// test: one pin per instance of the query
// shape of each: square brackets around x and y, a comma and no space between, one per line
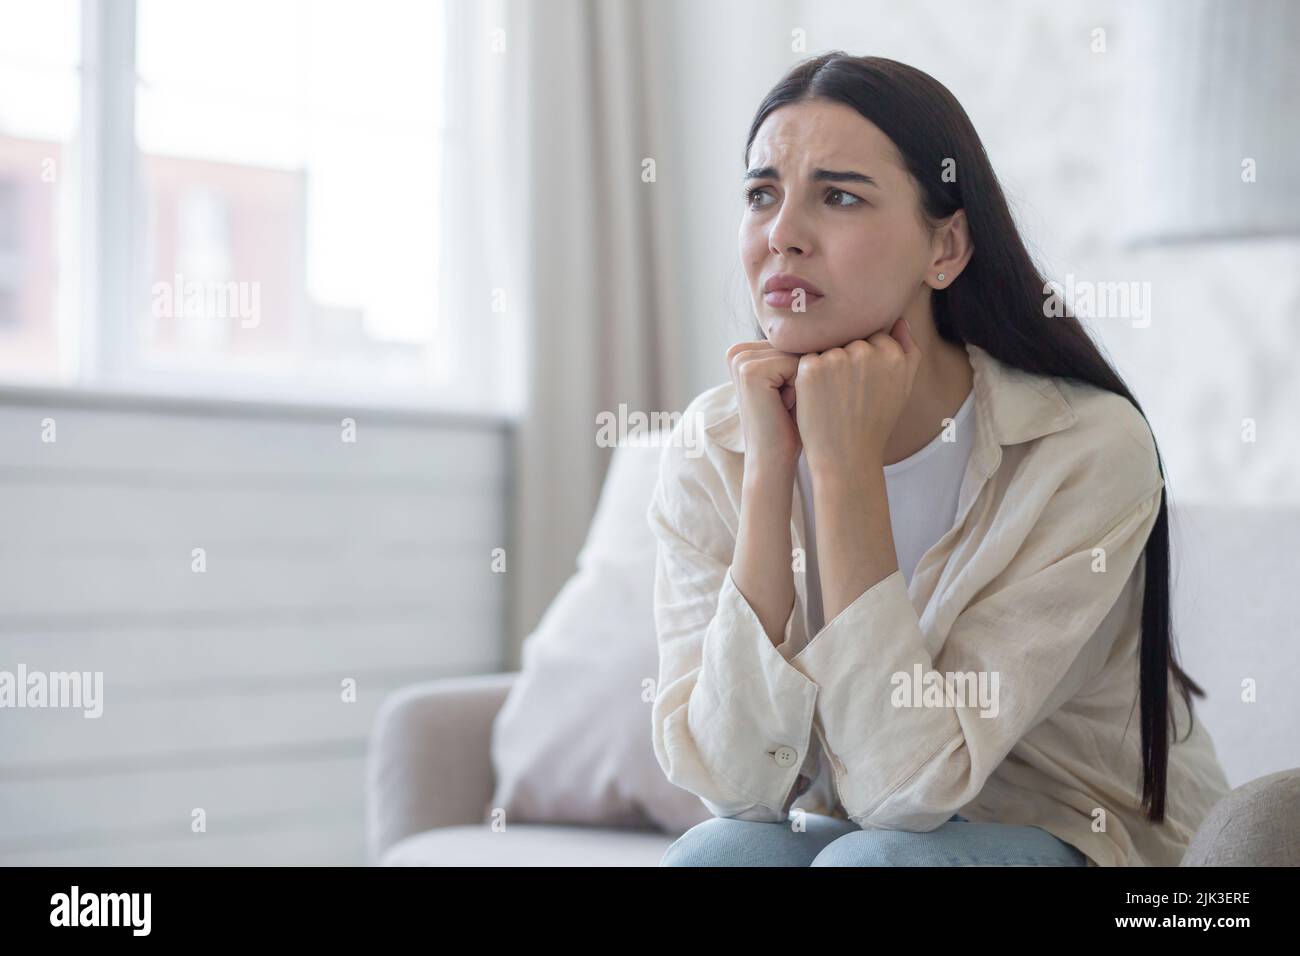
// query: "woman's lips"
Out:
[784,298]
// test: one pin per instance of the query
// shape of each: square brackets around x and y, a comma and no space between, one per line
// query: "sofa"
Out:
[430,775]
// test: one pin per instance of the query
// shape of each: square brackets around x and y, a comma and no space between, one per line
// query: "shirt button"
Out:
[785,756]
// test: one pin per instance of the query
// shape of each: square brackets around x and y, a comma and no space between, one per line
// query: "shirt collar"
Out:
[1011,405]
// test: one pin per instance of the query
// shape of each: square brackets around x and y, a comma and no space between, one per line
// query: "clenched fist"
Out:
[764,380]
[850,399]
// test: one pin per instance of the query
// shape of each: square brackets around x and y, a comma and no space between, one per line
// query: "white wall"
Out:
[326,560]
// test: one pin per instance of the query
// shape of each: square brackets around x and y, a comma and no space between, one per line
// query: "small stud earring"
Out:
[940,276]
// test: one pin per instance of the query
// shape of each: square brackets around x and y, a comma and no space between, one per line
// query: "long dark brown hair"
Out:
[1001,303]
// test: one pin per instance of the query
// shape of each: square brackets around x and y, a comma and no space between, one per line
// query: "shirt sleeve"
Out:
[910,762]
[732,718]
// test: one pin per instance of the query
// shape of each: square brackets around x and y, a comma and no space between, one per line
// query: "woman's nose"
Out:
[788,235]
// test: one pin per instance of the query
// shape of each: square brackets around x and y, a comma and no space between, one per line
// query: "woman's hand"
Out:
[850,398]
[761,566]
[764,379]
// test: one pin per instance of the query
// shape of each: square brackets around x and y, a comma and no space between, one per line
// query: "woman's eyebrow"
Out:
[818,175]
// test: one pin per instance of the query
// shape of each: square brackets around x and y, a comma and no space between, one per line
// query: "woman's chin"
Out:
[794,336]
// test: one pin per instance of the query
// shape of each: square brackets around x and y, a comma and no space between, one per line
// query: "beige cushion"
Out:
[523,844]
[1258,824]
[572,743]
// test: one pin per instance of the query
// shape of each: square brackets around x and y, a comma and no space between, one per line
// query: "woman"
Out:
[916,582]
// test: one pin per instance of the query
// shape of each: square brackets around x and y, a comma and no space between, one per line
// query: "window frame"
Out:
[102,365]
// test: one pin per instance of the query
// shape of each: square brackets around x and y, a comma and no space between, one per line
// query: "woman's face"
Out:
[830,204]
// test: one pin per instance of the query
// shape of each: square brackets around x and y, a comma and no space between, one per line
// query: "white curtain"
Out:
[561,106]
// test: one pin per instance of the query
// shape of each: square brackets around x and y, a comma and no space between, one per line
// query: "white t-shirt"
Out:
[923,490]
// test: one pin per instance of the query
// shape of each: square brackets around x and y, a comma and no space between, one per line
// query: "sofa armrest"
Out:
[429,761]
[1257,824]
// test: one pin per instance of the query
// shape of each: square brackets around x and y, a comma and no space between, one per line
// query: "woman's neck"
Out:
[943,381]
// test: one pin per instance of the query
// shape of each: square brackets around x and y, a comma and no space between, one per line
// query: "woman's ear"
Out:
[952,250]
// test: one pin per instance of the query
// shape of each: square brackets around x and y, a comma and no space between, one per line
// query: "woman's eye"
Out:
[835,196]
[841,192]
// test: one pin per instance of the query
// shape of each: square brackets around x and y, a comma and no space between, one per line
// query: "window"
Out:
[259,209]
[39,113]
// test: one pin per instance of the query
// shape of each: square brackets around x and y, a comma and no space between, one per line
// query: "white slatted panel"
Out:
[325,560]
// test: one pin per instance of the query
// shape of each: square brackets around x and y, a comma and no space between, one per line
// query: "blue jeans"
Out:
[829,841]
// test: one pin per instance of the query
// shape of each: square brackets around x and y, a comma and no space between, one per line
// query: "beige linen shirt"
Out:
[1036,591]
